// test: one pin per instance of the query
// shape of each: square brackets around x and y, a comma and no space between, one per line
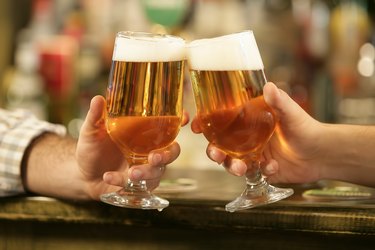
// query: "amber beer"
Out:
[229,97]
[144,97]
[143,117]
[241,122]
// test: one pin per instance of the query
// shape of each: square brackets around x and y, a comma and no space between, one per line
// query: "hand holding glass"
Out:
[144,105]
[227,75]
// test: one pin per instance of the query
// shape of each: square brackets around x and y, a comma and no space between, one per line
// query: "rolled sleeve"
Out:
[17,130]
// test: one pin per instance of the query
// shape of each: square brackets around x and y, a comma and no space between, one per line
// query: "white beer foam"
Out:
[237,51]
[158,49]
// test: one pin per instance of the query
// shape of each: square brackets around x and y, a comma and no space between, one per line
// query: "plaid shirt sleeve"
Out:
[17,129]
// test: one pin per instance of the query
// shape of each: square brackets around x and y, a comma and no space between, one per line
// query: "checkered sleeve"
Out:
[17,130]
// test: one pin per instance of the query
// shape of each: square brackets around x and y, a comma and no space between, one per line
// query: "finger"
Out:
[93,127]
[146,172]
[274,178]
[216,154]
[114,178]
[271,94]
[152,184]
[185,118]
[164,156]
[269,167]
[95,115]
[195,127]
[235,166]
[136,173]
[282,103]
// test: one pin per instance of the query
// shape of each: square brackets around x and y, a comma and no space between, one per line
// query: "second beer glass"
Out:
[144,105]
[227,78]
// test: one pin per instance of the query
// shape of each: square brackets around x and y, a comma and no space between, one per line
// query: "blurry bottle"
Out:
[350,28]
[311,87]
[25,87]
[166,16]
[58,56]
[322,94]
[42,23]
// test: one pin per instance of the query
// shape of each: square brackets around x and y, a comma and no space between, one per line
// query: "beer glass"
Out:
[144,105]
[227,76]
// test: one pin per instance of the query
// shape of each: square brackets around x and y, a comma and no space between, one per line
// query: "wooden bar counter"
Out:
[195,219]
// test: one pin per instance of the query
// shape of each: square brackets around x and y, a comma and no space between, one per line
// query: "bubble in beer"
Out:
[154,48]
[237,51]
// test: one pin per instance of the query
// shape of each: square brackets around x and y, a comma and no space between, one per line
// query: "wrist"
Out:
[340,151]
[324,143]
[49,168]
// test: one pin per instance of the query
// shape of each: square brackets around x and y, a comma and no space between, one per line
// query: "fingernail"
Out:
[157,158]
[107,177]
[269,169]
[136,174]
[214,156]
[237,169]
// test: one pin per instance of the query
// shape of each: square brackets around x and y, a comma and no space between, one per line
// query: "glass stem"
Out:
[136,186]
[254,176]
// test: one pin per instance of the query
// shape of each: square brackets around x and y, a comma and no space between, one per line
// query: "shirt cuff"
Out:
[20,130]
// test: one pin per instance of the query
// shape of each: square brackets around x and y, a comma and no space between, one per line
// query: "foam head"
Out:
[237,51]
[146,47]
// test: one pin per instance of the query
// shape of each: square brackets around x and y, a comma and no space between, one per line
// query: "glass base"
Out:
[139,200]
[258,195]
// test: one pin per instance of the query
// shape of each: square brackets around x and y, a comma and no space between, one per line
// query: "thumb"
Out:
[287,110]
[95,116]
[93,128]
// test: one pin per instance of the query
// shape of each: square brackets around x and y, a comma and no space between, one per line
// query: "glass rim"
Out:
[148,36]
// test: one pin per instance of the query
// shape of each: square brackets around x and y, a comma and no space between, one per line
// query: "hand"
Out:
[292,154]
[102,164]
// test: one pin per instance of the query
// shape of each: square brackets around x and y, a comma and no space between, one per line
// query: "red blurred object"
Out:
[57,60]
[57,68]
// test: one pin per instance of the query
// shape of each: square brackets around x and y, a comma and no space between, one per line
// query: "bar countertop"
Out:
[195,219]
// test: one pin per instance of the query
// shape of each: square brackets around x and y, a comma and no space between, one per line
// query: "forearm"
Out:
[49,168]
[349,154]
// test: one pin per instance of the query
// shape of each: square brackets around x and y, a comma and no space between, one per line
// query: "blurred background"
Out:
[55,54]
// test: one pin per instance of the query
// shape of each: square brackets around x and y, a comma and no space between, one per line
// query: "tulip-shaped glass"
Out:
[144,105]
[227,75]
